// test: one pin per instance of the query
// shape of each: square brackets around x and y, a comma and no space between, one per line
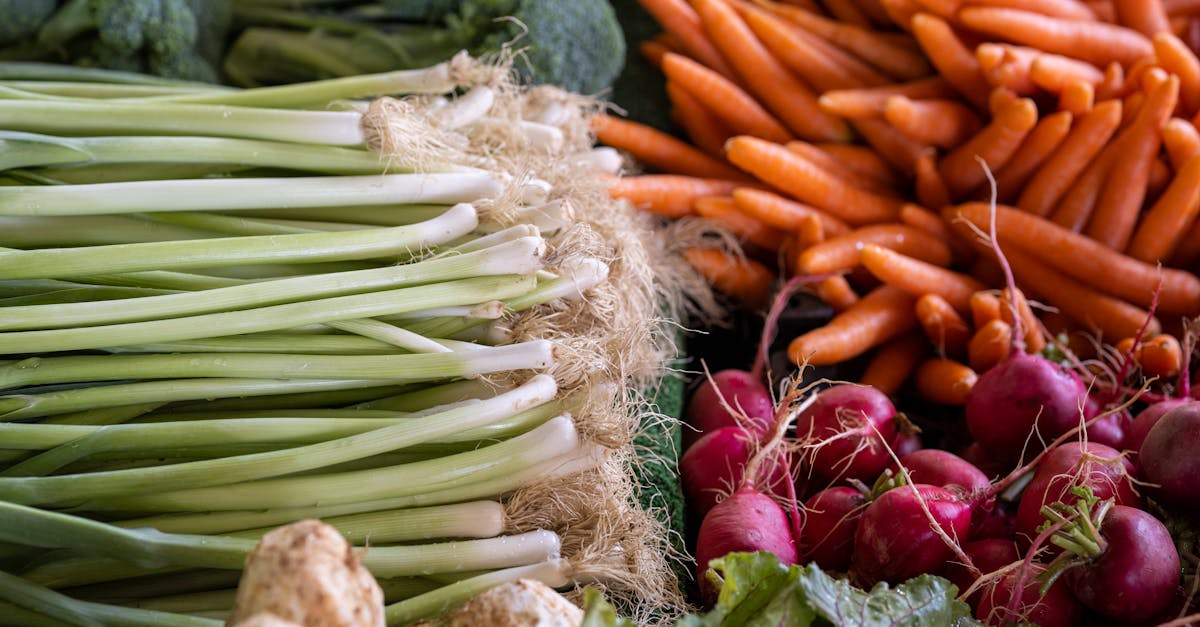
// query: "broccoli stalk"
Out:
[577,44]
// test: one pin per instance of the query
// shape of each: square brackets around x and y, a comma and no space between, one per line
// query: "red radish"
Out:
[1135,435]
[1169,458]
[984,461]
[998,604]
[1100,467]
[943,468]
[906,443]
[730,397]
[1109,430]
[713,466]
[995,519]
[746,521]
[896,539]
[1132,570]
[1021,402]
[988,555]
[846,431]
[830,518]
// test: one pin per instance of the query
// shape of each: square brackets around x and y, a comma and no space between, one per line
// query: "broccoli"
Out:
[170,38]
[577,44]
[20,19]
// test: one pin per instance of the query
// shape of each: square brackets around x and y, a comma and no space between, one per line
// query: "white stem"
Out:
[475,242]
[465,555]
[579,278]
[467,108]
[603,159]
[490,310]
[554,113]
[535,191]
[542,137]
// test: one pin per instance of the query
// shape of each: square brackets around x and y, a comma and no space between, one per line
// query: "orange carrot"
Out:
[669,195]
[1096,42]
[869,101]
[1073,155]
[1181,141]
[881,315]
[1160,177]
[1115,217]
[895,60]
[864,161]
[944,381]
[1162,227]
[901,12]
[765,77]
[1175,57]
[800,178]
[808,232]
[954,61]
[945,9]
[1181,7]
[724,98]
[1113,83]
[930,187]
[721,209]
[1031,327]
[707,131]
[815,60]
[745,280]
[944,326]
[1161,356]
[1008,66]
[989,345]
[874,12]
[930,222]
[783,213]
[1041,142]
[1187,253]
[1070,9]
[1076,207]
[1077,99]
[836,292]
[995,144]
[841,253]
[679,19]
[1105,269]
[895,147]
[985,307]
[846,12]
[1055,73]
[653,51]
[945,123]
[660,150]
[918,277]
[823,160]
[891,365]
[1147,17]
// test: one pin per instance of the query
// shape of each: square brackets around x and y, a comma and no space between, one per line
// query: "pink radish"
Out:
[713,467]
[988,555]
[896,538]
[1129,570]
[830,518]
[845,433]
[1169,458]
[906,443]
[729,398]
[746,521]
[1099,467]
[943,468]
[1000,604]
[1135,435]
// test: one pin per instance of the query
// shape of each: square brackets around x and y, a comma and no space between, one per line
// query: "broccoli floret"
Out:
[577,44]
[20,19]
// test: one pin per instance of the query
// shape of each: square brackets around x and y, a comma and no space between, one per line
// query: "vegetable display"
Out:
[402,304]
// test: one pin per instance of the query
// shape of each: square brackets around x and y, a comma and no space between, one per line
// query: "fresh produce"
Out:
[1167,459]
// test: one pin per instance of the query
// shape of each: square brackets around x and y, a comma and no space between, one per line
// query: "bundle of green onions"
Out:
[400,303]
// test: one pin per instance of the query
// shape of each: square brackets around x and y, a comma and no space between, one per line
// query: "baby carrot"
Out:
[823,160]
[1162,227]
[891,365]
[863,160]
[653,51]
[954,61]
[1187,252]
[841,253]
[985,307]
[1073,156]
[1070,9]
[918,277]
[1077,98]
[660,150]
[1147,17]
[837,292]
[881,315]
[800,178]
[846,12]
[1175,57]
[1096,42]
[679,19]
[990,344]
[945,327]
[1181,141]
[930,187]
[783,213]
[1160,356]
[669,195]
[944,123]
[1108,270]
[1041,142]
[944,381]
[995,144]
[1055,72]
[721,209]
[869,101]
[1008,66]
[898,149]
[1116,213]
[765,77]
[1031,329]
[724,98]
[743,279]
[902,12]
[707,131]
[930,222]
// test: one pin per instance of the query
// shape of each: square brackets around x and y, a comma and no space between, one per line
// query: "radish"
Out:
[896,538]
[906,443]
[988,555]
[1109,430]
[845,432]
[713,467]
[830,519]
[1099,467]
[1135,435]
[1123,562]
[999,604]
[731,397]
[1169,458]
[943,468]
[746,521]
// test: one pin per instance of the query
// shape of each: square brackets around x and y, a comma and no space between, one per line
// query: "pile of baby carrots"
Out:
[875,146]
